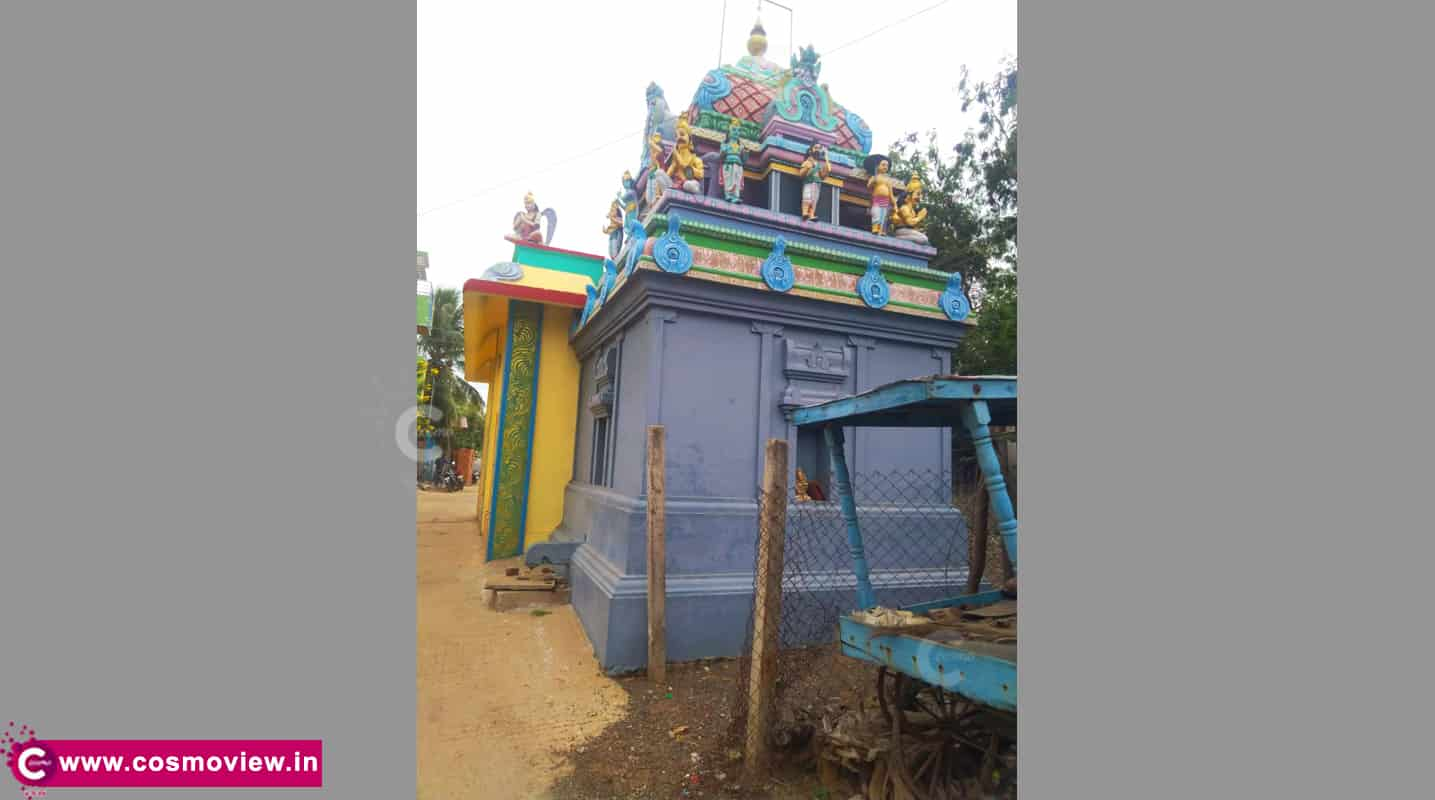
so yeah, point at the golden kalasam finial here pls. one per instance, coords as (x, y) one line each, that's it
(757, 41)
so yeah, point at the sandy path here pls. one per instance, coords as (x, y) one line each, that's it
(501, 694)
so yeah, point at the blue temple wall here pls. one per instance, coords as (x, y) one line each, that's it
(716, 365)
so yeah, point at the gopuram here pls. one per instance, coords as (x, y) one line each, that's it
(759, 258)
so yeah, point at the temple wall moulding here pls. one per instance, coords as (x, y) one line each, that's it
(605, 369)
(816, 361)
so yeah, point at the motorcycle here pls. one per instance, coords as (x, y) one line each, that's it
(448, 477)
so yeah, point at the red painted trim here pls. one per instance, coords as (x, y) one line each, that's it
(550, 296)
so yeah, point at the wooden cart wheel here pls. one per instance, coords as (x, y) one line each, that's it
(941, 749)
(886, 689)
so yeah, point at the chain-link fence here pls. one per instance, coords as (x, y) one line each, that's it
(919, 546)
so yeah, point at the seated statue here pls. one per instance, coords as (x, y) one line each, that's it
(685, 166)
(907, 219)
(527, 224)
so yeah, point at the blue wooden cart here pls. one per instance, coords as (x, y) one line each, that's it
(948, 691)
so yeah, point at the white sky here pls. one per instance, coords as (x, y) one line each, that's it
(507, 90)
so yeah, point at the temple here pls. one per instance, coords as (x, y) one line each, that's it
(760, 258)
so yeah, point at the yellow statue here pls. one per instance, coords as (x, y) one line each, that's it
(685, 167)
(615, 217)
(614, 229)
(802, 485)
(907, 215)
(883, 196)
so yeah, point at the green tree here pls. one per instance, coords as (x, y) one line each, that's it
(970, 193)
(452, 396)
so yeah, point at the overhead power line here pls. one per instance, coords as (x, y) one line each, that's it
(867, 36)
(551, 167)
(625, 137)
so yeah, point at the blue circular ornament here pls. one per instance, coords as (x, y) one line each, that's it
(777, 268)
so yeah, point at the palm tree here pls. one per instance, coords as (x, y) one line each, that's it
(454, 397)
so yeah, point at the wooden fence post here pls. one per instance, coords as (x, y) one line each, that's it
(766, 607)
(657, 557)
(977, 534)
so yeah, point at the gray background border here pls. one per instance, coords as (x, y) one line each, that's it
(206, 237)
(208, 248)
(1225, 562)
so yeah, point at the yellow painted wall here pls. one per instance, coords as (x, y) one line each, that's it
(490, 436)
(555, 426)
(555, 419)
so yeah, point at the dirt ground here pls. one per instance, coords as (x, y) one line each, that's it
(502, 695)
(512, 705)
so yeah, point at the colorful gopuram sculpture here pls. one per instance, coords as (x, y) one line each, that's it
(614, 229)
(685, 166)
(814, 170)
(528, 223)
(629, 195)
(732, 158)
(884, 192)
(658, 181)
(907, 219)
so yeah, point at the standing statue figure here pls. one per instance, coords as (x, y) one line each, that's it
(685, 166)
(661, 118)
(815, 169)
(614, 229)
(884, 192)
(528, 226)
(907, 218)
(629, 195)
(732, 159)
(658, 181)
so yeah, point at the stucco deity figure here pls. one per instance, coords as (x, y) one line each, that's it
(732, 159)
(614, 229)
(658, 180)
(661, 118)
(528, 225)
(815, 168)
(685, 167)
(884, 193)
(629, 195)
(907, 219)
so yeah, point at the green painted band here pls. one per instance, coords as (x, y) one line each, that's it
(833, 260)
(560, 262)
(805, 287)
